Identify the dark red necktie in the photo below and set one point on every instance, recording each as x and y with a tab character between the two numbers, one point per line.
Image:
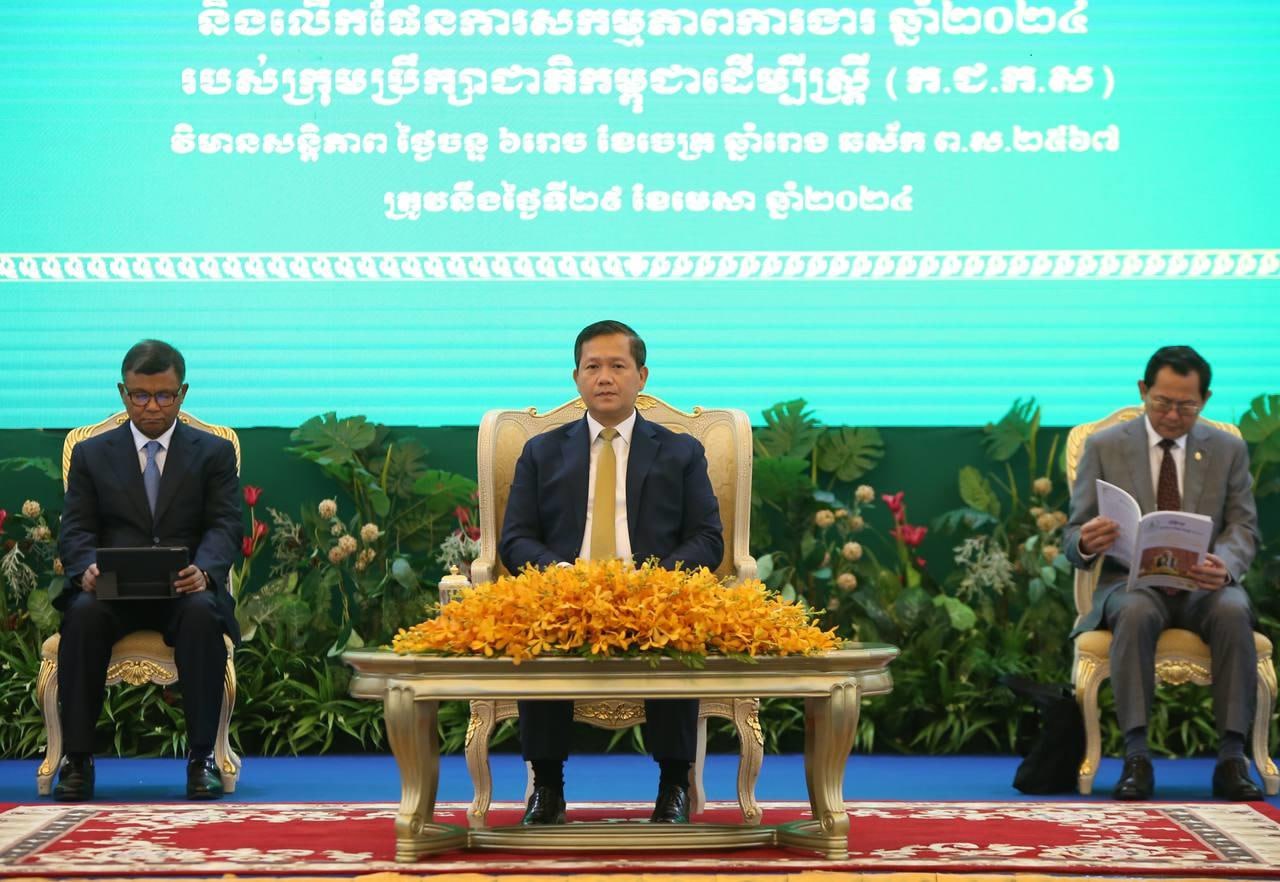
1167	496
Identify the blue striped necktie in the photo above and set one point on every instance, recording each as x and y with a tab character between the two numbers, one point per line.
151	474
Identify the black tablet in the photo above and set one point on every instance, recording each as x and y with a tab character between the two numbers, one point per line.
139	573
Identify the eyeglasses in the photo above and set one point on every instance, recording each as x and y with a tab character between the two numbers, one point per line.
1160	404
163	399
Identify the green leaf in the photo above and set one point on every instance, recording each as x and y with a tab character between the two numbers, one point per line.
445	491
789	430
764	567
910	606
788	592
778	480
977	492
1048	574
1260	422
850	452
328	440
42	464
40	608
960	614
968	518
1005	438
403	573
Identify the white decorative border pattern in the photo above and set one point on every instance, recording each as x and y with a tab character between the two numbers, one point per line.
643	266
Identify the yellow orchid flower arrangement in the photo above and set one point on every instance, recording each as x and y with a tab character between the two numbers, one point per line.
606	608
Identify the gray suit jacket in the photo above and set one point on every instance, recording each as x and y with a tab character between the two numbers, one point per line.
1217	483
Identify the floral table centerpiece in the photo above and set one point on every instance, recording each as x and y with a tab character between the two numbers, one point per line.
608	608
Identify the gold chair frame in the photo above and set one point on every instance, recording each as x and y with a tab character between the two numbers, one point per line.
139	657
726	435
1181	656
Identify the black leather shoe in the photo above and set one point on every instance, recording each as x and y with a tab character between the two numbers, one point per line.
546	806
671	806
1137	779
1231	781
203	780
75	779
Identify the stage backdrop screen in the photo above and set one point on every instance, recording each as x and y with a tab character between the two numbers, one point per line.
909	212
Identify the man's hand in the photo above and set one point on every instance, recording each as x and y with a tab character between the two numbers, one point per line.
89	581
190	580
1098	535
1211	573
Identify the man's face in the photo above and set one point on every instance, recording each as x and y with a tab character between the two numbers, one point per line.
162	394
1173	402
608	379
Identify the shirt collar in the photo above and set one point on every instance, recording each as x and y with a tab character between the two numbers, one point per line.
1154	438
140	440
625	428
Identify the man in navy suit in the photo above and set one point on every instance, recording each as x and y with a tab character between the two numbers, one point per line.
151	482
657	503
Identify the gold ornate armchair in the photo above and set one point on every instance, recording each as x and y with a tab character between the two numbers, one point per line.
726	435
1181	656
136	658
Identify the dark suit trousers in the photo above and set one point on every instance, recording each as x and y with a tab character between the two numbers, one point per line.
190	624
670	729
1221	618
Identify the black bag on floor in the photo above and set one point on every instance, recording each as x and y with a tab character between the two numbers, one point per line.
1053	763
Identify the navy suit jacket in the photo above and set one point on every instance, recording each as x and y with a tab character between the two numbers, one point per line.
672	512
198	507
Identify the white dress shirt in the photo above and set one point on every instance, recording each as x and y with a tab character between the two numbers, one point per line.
621	449
1156	454
140	440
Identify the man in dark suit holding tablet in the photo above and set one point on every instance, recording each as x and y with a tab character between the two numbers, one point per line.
153	482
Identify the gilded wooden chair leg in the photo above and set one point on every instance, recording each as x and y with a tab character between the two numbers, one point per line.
746	718
1262	727
1089	674
226	758
697	795
479	729
47	698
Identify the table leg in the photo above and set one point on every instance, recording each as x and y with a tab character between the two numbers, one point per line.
830	725
411	729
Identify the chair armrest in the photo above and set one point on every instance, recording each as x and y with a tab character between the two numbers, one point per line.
1086	583
483	569
745	568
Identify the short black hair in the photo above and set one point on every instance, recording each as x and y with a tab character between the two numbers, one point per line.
605	329
153	357
1182	360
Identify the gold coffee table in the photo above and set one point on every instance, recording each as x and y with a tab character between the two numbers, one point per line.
411	688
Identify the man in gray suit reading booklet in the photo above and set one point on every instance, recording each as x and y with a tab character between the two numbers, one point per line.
1168	460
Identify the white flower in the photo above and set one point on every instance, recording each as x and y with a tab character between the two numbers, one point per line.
348	544
1050	553
824	518
370	533
846	581
851	551
336	555
31	509
1042	486
865	493
328	508
856	523
41	533
337	529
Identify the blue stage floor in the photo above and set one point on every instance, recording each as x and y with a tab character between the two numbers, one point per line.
615	777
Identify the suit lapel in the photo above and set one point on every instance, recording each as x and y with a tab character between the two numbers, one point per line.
575	450
176	460
1195	462
1139	455
124	460
644	449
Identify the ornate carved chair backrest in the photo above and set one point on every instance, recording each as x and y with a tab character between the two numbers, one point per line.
1087	580
724	432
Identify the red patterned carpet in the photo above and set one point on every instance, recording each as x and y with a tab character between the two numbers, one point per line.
1156	839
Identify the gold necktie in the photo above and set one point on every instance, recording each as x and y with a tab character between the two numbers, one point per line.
604	543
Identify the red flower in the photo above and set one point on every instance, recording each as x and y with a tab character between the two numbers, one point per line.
251	495
4	516
463	516
259	530
895	505
911	536
246	546
474	533
921	562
